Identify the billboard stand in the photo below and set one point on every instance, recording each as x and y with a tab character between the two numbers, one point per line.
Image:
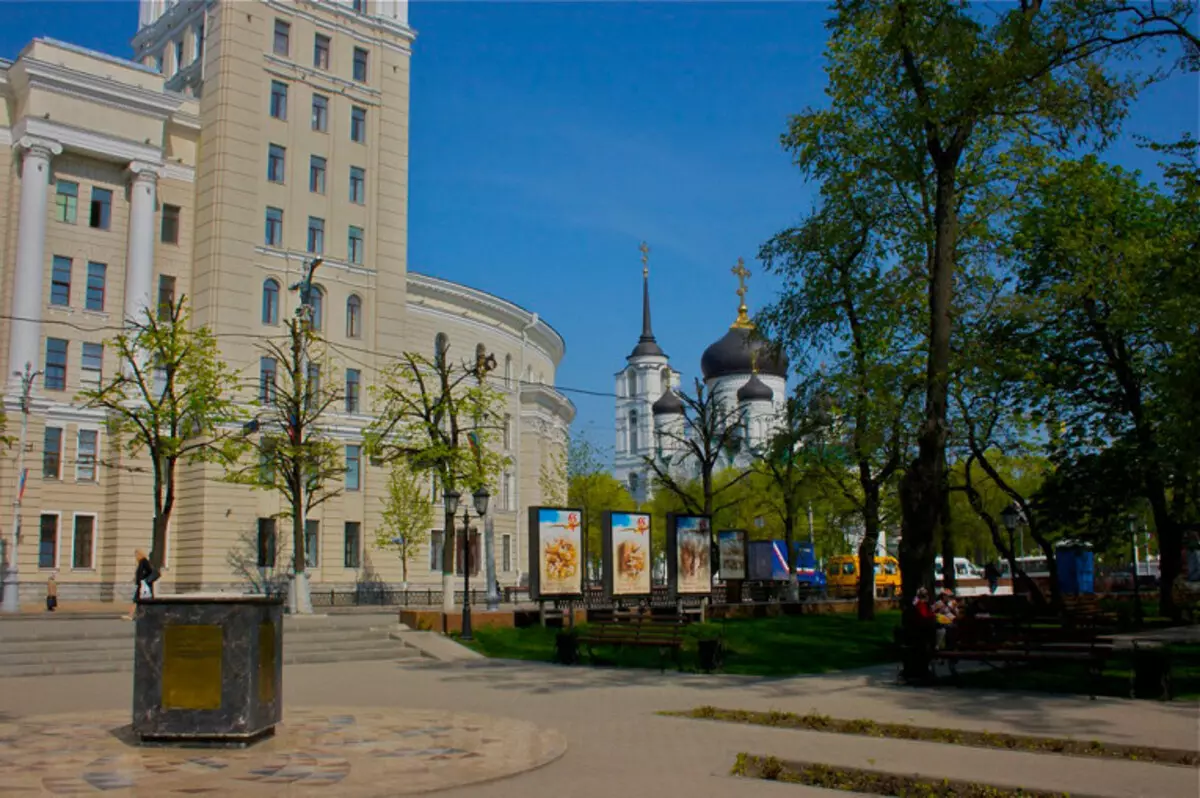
689	558
557	553
626	554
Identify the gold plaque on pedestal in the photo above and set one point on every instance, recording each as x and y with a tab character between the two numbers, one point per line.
266	662
191	674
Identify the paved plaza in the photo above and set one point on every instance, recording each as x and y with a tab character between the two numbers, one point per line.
616	744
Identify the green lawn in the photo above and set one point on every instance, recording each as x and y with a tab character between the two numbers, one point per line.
761	646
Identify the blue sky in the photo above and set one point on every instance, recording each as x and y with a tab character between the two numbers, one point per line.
548	139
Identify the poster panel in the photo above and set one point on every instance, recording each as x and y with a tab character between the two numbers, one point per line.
731	550
689	552
556	552
627	553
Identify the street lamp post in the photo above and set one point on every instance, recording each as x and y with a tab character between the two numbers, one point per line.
300	599
1011	516
480	497
1137	588
11	601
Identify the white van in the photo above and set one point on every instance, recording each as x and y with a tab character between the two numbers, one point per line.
963	568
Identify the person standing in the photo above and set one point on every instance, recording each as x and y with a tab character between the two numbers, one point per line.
143	582
51	594
992	574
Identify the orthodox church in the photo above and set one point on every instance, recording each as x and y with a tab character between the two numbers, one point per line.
744	373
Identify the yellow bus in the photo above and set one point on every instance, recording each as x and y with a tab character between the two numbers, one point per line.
841	576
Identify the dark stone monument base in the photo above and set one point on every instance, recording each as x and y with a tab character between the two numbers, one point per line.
201	741
208	670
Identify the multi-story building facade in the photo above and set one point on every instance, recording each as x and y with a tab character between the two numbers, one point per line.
246	139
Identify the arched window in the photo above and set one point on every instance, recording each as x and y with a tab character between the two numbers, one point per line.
441	345
318	307
633	431
633	484
508	376
666	380
632	380
270	301
354	317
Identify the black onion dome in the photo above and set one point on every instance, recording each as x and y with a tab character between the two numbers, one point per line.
735	354
669	404
755	390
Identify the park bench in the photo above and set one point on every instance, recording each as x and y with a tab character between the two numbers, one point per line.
667	637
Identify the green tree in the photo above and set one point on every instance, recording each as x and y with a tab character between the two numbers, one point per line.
407	515
945	108
172	398
438	417
1106	278
294	452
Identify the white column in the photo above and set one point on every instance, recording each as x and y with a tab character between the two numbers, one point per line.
31	253
139	258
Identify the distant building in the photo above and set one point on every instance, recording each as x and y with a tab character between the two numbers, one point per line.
745	373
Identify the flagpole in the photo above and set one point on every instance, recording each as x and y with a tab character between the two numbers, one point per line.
11	601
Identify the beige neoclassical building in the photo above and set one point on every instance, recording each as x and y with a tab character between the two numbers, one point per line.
245	139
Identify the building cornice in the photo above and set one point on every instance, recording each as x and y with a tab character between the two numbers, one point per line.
167	25
30	73
379	24
86	141
546	399
541	334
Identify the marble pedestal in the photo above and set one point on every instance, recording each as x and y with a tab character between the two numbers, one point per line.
208	669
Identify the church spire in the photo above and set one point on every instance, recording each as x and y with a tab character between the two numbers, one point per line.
646	344
743	315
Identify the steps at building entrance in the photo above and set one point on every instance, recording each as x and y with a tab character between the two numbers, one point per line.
61	647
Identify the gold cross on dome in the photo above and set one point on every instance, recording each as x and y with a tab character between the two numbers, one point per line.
645	259
743	316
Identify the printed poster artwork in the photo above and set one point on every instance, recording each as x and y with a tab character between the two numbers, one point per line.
693	541
732	546
631	554
560	534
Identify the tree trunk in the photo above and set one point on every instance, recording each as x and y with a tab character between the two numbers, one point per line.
158	546
949	572
449	538
793	589
1170	546
923	487
866	553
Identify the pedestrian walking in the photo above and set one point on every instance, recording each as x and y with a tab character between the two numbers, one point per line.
143	583
51	594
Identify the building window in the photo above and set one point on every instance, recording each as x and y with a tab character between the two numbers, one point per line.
82	542
199	42
316	174
505	490
158	62
633	485
274	232
275	163
266	379
320	113
464	545
353	316
170	224
270	301
100	215
266	543
48	541
321	51
55	378
437	540
441	346
312	548
358	125
313	382
166	296
352	556
60	281
354	244
316	235
318	307
97	274
353	467
66	201
632	384
52	440
360	65
353	389
358	185
508	371
178	58
92	370
266	462
507	431
85	456
633	432
279	91
506	553
283	37
360	6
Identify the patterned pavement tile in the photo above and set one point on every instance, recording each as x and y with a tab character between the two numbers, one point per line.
334	752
